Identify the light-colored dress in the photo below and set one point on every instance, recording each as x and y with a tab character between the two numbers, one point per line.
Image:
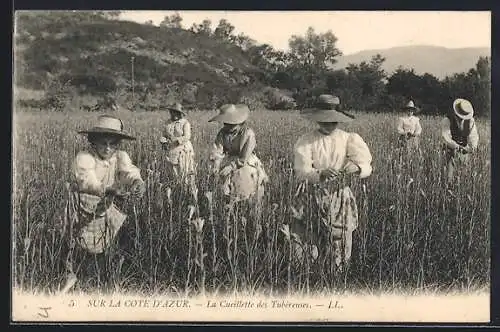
93	223
409	125
235	150
333	203
180	155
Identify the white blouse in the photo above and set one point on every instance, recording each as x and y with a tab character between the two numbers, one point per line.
180	130
409	124
315	152
93	175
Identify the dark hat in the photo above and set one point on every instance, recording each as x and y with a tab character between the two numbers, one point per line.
410	106
325	110
177	107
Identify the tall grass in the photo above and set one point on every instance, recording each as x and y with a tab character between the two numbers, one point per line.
413	233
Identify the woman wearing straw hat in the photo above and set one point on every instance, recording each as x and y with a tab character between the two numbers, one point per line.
176	140
409	129
233	155
324	162
459	134
102	175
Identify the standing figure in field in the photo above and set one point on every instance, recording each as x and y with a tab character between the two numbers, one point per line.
176	140
240	172
409	130
103	177
460	136
324	162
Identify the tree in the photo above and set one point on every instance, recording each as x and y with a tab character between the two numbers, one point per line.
370	75
266	59
425	90
459	85
204	28
149	22
336	81
404	82
432	93
475	85
483	86
308	59
244	42
172	21
314	50
224	30
365	83
102	14
483	68
111	14
260	55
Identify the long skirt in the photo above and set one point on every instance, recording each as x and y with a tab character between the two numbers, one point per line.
244	183
90	227
408	147
181	166
331	216
94	225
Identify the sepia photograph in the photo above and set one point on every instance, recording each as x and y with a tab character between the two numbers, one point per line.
251	166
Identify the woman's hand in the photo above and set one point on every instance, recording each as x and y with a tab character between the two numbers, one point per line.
226	171
240	163
165	142
174	141
111	191
464	149
352	168
138	189
329	174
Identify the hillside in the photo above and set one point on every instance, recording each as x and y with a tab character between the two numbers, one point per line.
95	54
439	61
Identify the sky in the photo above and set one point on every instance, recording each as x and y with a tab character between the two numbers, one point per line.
355	30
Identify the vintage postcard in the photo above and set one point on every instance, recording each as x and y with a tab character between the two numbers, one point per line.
205	166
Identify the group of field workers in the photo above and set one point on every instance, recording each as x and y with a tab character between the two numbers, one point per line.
458	132
325	161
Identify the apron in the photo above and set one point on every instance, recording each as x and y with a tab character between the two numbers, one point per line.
93	223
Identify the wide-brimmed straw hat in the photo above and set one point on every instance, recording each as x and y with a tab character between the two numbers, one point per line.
108	125
325	110
410	106
177	107
232	114
463	109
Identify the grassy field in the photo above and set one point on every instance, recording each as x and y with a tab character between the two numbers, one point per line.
413	233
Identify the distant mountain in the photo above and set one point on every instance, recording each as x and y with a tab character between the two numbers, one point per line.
439	61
